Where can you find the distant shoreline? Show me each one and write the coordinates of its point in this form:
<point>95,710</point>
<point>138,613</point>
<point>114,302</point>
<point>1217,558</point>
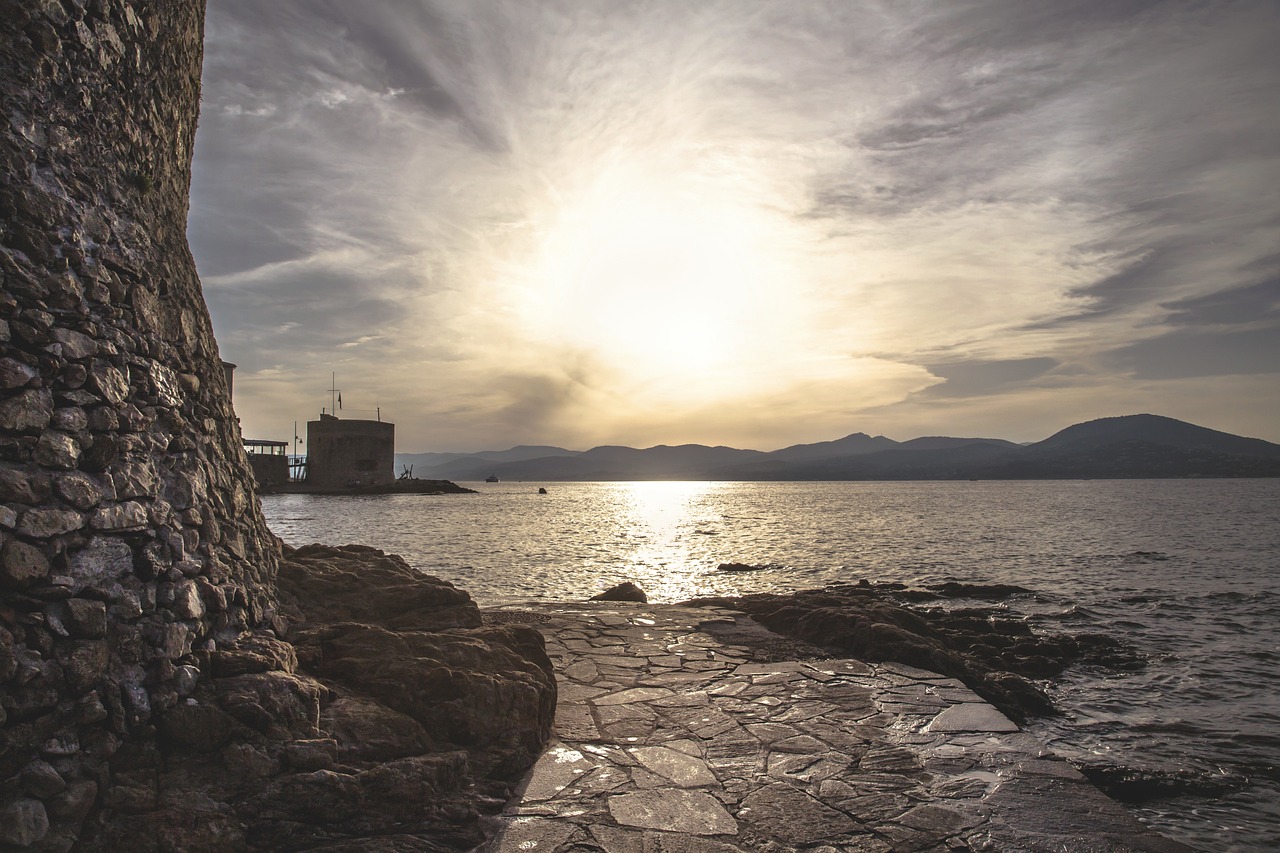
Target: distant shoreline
<point>398,487</point>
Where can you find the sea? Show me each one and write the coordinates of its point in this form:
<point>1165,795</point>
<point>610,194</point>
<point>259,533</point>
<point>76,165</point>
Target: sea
<point>1186,571</point>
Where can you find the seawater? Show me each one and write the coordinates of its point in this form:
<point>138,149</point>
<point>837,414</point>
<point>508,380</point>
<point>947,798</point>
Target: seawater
<point>1186,570</point>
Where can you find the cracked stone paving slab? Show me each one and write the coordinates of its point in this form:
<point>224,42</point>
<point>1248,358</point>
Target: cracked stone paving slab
<point>670,741</point>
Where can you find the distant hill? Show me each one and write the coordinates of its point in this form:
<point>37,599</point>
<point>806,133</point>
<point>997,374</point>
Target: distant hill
<point>424,461</point>
<point>851,445</point>
<point>1132,446</point>
<point>940,442</point>
<point>1158,430</point>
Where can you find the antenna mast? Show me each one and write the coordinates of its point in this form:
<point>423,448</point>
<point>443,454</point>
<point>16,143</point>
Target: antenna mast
<point>335,395</point>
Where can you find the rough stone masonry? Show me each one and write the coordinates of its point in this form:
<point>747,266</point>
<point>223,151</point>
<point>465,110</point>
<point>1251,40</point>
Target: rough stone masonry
<point>129,535</point>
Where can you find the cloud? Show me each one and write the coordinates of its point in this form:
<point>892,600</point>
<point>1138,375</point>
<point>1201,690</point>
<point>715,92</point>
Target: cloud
<point>1248,305</point>
<point>567,221</point>
<point>981,378</point>
<point>1184,353</point>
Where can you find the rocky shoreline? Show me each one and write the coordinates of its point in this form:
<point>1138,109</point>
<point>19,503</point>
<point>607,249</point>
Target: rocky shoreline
<point>380,713</point>
<point>995,652</point>
<point>383,710</point>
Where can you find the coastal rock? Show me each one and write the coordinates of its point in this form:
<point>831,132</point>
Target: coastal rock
<point>365,730</point>
<point>745,567</point>
<point>995,653</point>
<point>352,731</point>
<point>626,591</point>
<point>465,687</point>
<point>1140,785</point>
<point>354,583</point>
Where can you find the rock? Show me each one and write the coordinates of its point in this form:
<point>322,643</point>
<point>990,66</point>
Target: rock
<point>75,346</point>
<point>186,679</point>
<point>70,419</point>
<point>56,450</point>
<point>23,822</point>
<point>249,762</point>
<point>254,653</point>
<point>1141,785</point>
<point>275,703</point>
<point>24,486</point>
<point>47,523</point>
<point>14,374</point>
<point>359,584</point>
<point>84,663</point>
<point>103,559</point>
<point>198,727</point>
<point>131,515</point>
<point>626,591</point>
<point>478,688</point>
<point>109,381</point>
<point>309,755</point>
<point>86,617</point>
<point>369,731</point>
<point>745,567</point>
<point>992,591</point>
<point>74,803</point>
<point>29,411</point>
<point>22,565</point>
<point>871,623</point>
<point>320,797</point>
<point>78,489</point>
<point>398,788</point>
<point>8,655</point>
<point>41,781</point>
<point>971,717</point>
<point>134,480</point>
<point>186,601</point>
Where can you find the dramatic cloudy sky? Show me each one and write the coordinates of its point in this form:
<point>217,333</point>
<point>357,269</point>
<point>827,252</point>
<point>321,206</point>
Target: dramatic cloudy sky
<point>745,222</point>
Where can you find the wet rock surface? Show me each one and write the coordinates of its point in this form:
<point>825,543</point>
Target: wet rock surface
<point>993,651</point>
<point>670,738</point>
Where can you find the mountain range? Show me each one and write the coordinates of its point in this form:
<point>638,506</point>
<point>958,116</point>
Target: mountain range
<point>1131,446</point>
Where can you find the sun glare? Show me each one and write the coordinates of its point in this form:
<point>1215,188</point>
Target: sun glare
<point>667,286</point>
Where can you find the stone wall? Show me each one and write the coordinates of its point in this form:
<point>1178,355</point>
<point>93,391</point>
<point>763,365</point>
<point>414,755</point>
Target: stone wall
<point>131,541</point>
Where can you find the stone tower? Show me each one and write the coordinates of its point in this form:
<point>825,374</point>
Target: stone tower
<point>131,541</point>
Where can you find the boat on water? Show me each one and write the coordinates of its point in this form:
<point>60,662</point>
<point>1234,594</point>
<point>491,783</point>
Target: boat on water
<point>492,478</point>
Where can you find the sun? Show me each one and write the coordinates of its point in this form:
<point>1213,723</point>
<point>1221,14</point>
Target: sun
<point>666,286</point>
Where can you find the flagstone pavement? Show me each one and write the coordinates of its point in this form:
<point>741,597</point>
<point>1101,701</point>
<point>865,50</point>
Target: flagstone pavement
<point>669,740</point>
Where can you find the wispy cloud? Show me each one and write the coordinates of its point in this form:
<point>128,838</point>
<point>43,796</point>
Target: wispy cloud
<point>570,221</point>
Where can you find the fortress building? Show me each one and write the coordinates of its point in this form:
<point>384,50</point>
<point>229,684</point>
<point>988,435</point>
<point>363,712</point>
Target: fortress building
<point>349,453</point>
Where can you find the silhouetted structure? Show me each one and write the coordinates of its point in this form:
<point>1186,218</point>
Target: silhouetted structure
<point>269,461</point>
<point>348,453</point>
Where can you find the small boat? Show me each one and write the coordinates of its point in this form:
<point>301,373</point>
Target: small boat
<point>492,478</point>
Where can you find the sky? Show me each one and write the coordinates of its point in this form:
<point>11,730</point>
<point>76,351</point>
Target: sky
<point>745,222</point>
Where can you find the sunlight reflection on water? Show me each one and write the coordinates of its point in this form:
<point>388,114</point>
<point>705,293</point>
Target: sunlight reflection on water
<point>1182,569</point>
